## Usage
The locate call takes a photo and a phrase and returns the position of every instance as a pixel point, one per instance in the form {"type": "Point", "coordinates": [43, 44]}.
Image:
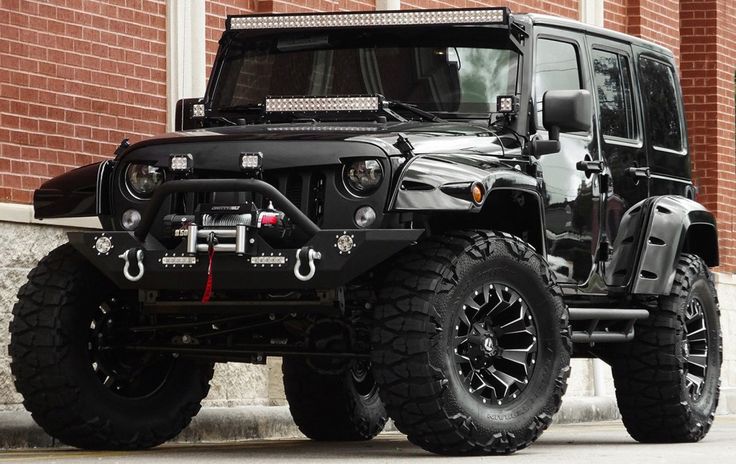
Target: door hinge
{"type": "Point", "coordinates": [590, 167]}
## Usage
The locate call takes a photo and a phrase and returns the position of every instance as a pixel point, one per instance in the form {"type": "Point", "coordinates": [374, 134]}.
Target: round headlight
{"type": "Point", "coordinates": [362, 177]}
{"type": "Point", "coordinates": [142, 179]}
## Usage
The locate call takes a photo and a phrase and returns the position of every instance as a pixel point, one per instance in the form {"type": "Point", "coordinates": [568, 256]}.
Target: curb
{"type": "Point", "coordinates": [219, 424]}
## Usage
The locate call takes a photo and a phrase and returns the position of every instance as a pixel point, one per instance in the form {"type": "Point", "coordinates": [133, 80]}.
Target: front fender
{"type": "Point", "coordinates": [427, 180]}
{"type": "Point", "coordinates": [665, 227]}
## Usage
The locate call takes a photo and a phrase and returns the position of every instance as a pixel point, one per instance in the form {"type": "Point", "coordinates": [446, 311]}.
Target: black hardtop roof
{"type": "Point", "coordinates": [535, 18]}
{"type": "Point", "coordinates": [556, 21]}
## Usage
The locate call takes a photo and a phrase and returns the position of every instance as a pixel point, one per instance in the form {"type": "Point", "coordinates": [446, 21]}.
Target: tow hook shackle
{"type": "Point", "coordinates": [306, 254]}
{"type": "Point", "coordinates": [126, 268]}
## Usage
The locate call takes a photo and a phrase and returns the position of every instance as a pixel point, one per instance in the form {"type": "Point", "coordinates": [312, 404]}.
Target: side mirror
{"type": "Point", "coordinates": [566, 111]}
{"type": "Point", "coordinates": [563, 111]}
{"type": "Point", "coordinates": [184, 118]}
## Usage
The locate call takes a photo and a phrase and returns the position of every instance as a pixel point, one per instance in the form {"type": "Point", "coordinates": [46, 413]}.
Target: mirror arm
{"type": "Point", "coordinates": [554, 133]}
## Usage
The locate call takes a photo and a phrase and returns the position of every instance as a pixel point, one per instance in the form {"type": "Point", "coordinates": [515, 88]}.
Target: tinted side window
{"type": "Point", "coordinates": [660, 103]}
{"type": "Point", "coordinates": [613, 86]}
{"type": "Point", "coordinates": [557, 68]}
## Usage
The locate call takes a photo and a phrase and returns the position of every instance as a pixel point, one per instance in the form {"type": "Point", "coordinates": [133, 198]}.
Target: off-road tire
{"type": "Point", "coordinates": [649, 372]}
{"type": "Point", "coordinates": [419, 386]}
{"type": "Point", "coordinates": [53, 372]}
{"type": "Point", "coordinates": [328, 406]}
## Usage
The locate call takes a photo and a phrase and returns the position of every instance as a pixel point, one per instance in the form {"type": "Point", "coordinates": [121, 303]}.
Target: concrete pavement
{"type": "Point", "coordinates": [598, 442]}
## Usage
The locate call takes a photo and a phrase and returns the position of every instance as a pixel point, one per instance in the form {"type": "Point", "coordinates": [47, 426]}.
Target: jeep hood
{"type": "Point", "coordinates": [426, 138]}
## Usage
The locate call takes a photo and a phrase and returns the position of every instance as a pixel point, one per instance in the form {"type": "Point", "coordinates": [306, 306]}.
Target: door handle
{"type": "Point", "coordinates": [638, 173]}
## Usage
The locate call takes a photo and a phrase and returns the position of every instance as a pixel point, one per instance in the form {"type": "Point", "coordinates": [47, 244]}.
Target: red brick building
{"type": "Point", "coordinates": [77, 76]}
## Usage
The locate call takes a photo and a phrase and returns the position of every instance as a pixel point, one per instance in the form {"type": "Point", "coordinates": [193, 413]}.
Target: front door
{"type": "Point", "coordinates": [571, 196]}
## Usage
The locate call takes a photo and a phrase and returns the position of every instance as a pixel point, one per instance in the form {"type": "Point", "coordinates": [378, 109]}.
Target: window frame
{"type": "Point", "coordinates": [684, 148]}
{"type": "Point", "coordinates": [578, 48]}
{"type": "Point", "coordinates": [638, 140]}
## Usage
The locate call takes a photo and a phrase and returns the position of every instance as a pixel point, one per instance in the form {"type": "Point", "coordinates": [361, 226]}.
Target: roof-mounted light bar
{"type": "Point", "coordinates": [362, 19]}
{"type": "Point", "coordinates": [321, 104]}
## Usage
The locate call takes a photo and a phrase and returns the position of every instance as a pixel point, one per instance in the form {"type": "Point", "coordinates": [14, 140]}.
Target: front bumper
{"type": "Point", "coordinates": [259, 267]}
{"type": "Point", "coordinates": [233, 272]}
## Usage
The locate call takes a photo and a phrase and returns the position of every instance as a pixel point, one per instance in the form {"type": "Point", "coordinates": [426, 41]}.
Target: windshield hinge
{"type": "Point", "coordinates": [124, 144]}
{"type": "Point", "coordinates": [404, 146]}
{"type": "Point", "coordinates": [518, 30]}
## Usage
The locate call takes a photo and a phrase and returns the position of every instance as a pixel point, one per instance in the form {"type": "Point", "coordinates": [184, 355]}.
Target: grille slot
{"type": "Point", "coordinates": [305, 189]}
{"type": "Point", "coordinates": [316, 198]}
{"type": "Point", "coordinates": [293, 190]}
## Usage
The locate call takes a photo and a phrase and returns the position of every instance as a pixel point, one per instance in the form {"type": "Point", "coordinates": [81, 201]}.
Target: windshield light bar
{"type": "Point", "coordinates": [388, 18]}
{"type": "Point", "coordinates": [321, 104]}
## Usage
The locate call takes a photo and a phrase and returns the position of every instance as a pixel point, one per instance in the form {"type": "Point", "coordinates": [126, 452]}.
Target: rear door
{"type": "Point", "coordinates": [618, 111]}
{"type": "Point", "coordinates": [664, 124]}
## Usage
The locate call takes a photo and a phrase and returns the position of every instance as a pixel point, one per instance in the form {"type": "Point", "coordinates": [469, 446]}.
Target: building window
{"type": "Point", "coordinates": [660, 104]}
{"type": "Point", "coordinates": [613, 87]}
{"type": "Point", "coordinates": [557, 67]}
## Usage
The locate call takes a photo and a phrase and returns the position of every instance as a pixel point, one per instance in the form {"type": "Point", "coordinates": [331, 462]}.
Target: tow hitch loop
{"type": "Point", "coordinates": [310, 255]}
{"type": "Point", "coordinates": [126, 267]}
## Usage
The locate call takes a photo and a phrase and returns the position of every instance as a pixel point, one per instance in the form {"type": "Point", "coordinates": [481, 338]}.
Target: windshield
{"type": "Point", "coordinates": [440, 73]}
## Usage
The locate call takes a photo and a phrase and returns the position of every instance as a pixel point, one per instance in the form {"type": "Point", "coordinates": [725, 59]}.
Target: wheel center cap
{"type": "Point", "coordinates": [489, 345]}
{"type": "Point", "coordinates": [686, 348]}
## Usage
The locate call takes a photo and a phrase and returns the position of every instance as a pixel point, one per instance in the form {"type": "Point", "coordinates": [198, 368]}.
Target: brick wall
{"type": "Point", "coordinates": [75, 78]}
{"type": "Point", "coordinates": [614, 15]}
{"type": "Point", "coordinates": [216, 12]}
{"type": "Point", "coordinates": [656, 20]}
{"type": "Point", "coordinates": [708, 61]}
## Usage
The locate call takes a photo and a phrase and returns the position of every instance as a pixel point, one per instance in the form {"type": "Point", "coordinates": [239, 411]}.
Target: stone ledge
{"type": "Point", "coordinates": [23, 214]}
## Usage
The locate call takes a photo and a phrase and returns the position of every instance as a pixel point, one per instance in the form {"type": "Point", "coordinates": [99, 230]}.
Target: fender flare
{"type": "Point", "coordinates": [653, 234]}
{"type": "Point", "coordinates": [81, 192]}
{"type": "Point", "coordinates": [427, 181]}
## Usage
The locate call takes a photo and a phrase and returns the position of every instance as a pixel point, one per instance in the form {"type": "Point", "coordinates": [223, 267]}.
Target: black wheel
{"type": "Point", "coordinates": [78, 389]}
{"type": "Point", "coordinates": [667, 379]}
{"type": "Point", "coordinates": [472, 344]}
{"type": "Point", "coordinates": [329, 406]}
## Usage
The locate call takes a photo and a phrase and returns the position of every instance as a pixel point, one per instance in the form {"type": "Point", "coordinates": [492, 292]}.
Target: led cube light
{"type": "Point", "coordinates": [507, 104]}
{"type": "Point", "coordinates": [198, 110]}
{"type": "Point", "coordinates": [181, 162]}
{"type": "Point", "coordinates": [251, 161]}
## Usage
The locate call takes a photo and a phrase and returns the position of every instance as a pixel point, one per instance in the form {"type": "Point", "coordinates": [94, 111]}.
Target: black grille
{"type": "Point", "coordinates": [305, 189]}
{"type": "Point", "coordinates": [293, 190]}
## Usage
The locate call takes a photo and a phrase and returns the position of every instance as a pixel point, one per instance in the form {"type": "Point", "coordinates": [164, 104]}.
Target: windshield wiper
{"type": "Point", "coordinates": [412, 109]}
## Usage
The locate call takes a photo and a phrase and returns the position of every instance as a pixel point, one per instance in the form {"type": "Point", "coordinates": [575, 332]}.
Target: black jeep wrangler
{"type": "Point", "coordinates": [425, 213]}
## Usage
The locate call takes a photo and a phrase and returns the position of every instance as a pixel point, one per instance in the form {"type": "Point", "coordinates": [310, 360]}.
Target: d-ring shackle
{"type": "Point", "coordinates": [312, 256]}
{"type": "Point", "coordinates": [126, 267]}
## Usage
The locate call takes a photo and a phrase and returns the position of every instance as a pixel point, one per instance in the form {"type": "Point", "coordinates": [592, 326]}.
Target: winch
{"type": "Point", "coordinates": [225, 227]}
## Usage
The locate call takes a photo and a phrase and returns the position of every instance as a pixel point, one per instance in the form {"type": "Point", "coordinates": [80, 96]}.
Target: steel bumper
{"type": "Point", "coordinates": [244, 272]}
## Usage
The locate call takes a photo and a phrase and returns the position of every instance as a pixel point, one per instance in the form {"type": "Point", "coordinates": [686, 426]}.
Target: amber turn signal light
{"type": "Point", "coordinates": [477, 192]}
